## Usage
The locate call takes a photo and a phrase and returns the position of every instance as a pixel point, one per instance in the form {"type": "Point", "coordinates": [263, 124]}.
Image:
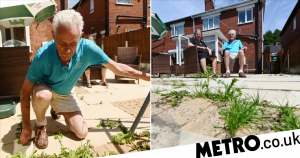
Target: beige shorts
{"type": "Point", "coordinates": [233, 55]}
{"type": "Point", "coordinates": [63, 103]}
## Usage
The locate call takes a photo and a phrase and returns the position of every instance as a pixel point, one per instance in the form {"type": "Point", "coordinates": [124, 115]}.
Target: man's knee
{"type": "Point", "coordinates": [241, 53]}
{"type": "Point", "coordinates": [82, 133]}
{"type": "Point", "coordinates": [226, 53]}
{"type": "Point", "coordinates": [41, 94]}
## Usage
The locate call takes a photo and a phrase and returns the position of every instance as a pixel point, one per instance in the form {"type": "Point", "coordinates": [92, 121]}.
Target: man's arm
{"type": "Point", "coordinates": [25, 109]}
{"type": "Point", "coordinates": [124, 70]}
{"type": "Point", "coordinates": [222, 50]}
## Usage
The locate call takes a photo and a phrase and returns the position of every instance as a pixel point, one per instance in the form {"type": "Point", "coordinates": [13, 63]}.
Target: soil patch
{"type": "Point", "coordinates": [199, 115]}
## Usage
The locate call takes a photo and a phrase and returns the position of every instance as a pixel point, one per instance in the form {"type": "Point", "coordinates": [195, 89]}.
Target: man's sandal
{"type": "Point", "coordinates": [54, 115]}
{"type": "Point", "coordinates": [41, 137]}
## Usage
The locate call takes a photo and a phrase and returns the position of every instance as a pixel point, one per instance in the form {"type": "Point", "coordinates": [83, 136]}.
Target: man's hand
{"type": "Point", "coordinates": [25, 109]}
{"type": "Point", "coordinates": [25, 135]}
{"type": "Point", "coordinates": [127, 71]}
{"type": "Point", "coordinates": [244, 48]}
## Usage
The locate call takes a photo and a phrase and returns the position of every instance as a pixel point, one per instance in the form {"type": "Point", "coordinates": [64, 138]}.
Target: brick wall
{"type": "Point", "coordinates": [95, 19]}
{"type": "Point", "coordinates": [43, 32]}
{"type": "Point", "coordinates": [290, 36]}
{"type": "Point", "coordinates": [127, 23]}
{"type": "Point", "coordinates": [228, 21]}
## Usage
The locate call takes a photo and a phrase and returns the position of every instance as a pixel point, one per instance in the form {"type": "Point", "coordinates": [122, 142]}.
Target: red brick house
{"type": "Point", "coordinates": [290, 40]}
{"type": "Point", "coordinates": [109, 17]}
{"type": "Point", "coordinates": [244, 17]}
{"type": "Point", "coordinates": [34, 36]}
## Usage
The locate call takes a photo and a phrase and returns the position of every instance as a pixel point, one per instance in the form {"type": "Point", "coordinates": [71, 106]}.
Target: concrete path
{"type": "Point", "coordinates": [96, 104]}
{"type": "Point", "coordinates": [277, 89]}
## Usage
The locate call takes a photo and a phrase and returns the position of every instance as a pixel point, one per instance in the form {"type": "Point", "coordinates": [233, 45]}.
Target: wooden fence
{"type": "Point", "coordinates": [291, 58]}
{"type": "Point", "coordinates": [139, 38]}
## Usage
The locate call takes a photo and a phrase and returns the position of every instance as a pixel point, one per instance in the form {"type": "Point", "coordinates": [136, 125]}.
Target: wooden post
{"type": "Point", "coordinates": [126, 43]}
{"type": "Point", "coordinates": [102, 45]}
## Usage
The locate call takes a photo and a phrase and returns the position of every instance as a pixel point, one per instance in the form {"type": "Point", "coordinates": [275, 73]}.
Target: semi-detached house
{"type": "Point", "coordinates": [245, 17]}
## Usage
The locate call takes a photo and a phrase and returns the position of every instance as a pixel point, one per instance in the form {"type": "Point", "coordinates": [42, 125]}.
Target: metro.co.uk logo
{"type": "Point", "coordinates": [251, 143]}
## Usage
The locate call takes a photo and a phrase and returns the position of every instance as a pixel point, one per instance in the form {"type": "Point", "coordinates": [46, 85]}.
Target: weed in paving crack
{"type": "Point", "coordinates": [140, 146]}
{"type": "Point", "coordinates": [156, 90]}
{"type": "Point", "coordinates": [241, 113]}
{"type": "Point", "coordinates": [110, 124]}
{"type": "Point", "coordinates": [178, 85]}
{"type": "Point", "coordinates": [175, 97]}
{"type": "Point", "coordinates": [287, 120]}
{"type": "Point", "coordinates": [81, 97]}
{"type": "Point", "coordinates": [230, 91]}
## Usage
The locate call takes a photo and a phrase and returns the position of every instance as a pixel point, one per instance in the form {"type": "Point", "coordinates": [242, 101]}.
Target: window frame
{"type": "Point", "coordinates": [92, 6]}
{"type": "Point", "coordinates": [245, 11]}
{"type": "Point", "coordinates": [208, 27]}
{"type": "Point", "coordinates": [121, 3]}
{"type": "Point", "coordinates": [173, 28]}
{"type": "Point", "coordinates": [216, 41]}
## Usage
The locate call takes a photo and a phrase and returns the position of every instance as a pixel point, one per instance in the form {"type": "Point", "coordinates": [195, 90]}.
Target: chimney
{"type": "Point", "coordinates": [277, 42]}
{"type": "Point", "coordinates": [209, 5]}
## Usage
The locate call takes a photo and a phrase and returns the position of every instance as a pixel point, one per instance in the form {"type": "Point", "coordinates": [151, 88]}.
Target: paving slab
{"type": "Point", "coordinates": [92, 111]}
{"type": "Point", "coordinates": [277, 89]}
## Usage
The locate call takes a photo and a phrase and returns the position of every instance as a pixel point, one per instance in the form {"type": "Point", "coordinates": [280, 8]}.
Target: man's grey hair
{"type": "Point", "coordinates": [67, 18]}
{"type": "Point", "coordinates": [232, 31]}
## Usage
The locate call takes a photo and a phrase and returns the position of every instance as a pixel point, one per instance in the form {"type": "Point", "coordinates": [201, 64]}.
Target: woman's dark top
{"type": "Point", "coordinates": [201, 53]}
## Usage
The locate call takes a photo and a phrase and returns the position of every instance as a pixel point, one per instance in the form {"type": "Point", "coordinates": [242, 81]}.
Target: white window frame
{"type": "Point", "coordinates": [216, 40]}
{"type": "Point", "coordinates": [208, 28]}
{"type": "Point", "coordinates": [92, 6]}
{"type": "Point", "coordinates": [26, 35]}
{"type": "Point", "coordinates": [294, 23]}
{"type": "Point", "coordinates": [124, 3]}
{"type": "Point", "coordinates": [173, 28]}
{"type": "Point", "coordinates": [131, 30]}
{"type": "Point", "coordinates": [244, 9]}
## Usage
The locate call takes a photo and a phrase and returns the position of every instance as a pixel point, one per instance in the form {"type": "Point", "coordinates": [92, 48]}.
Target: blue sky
{"type": "Point", "coordinates": [169, 10]}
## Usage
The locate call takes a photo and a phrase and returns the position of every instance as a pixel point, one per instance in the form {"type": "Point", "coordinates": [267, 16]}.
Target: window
{"type": "Point", "coordinates": [91, 6]}
{"type": "Point", "coordinates": [210, 42]}
{"type": "Point", "coordinates": [294, 25]}
{"type": "Point", "coordinates": [124, 1]}
{"type": "Point", "coordinates": [211, 23]}
{"type": "Point", "coordinates": [17, 34]}
{"type": "Point", "coordinates": [246, 16]}
{"type": "Point", "coordinates": [177, 29]}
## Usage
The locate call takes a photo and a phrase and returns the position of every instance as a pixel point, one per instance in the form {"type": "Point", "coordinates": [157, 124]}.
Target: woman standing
{"type": "Point", "coordinates": [203, 51]}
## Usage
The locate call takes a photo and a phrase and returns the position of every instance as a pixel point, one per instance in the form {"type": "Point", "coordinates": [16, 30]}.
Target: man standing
{"type": "Point", "coordinates": [234, 49]}
{"type": "Point", "coordinates": [53, 73]}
